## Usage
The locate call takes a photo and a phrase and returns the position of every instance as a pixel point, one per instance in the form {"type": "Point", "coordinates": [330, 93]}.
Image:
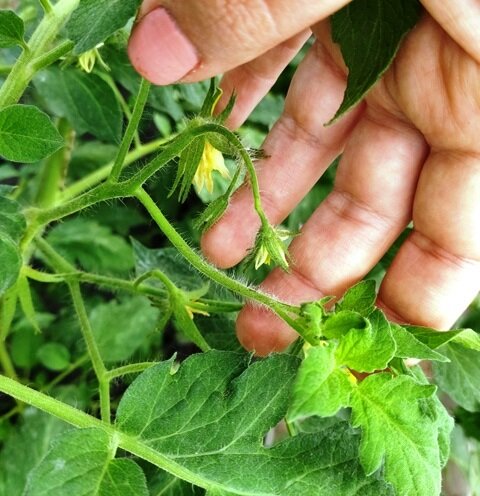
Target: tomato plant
{"type": "Point", "coordinates": [121, 372]}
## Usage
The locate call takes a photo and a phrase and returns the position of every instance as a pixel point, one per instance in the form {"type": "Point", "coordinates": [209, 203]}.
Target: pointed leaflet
{"type": "Point", "coordinates": [211, 415]}
{"type": "Point", "coordinates": [408, 346]}
{"type": "Point", "coordinates": [460, 378]}
{"type": "Point", "coordinates": [433, 338]}
{"type": "Point", "coordinates": [27, 134]}
{"type": "Point", "coordinates": [397, 427]}
{"type": "Point", "coordinates": [321, 387]}
{"type": "Point", "coordinates": [359, 298]}
{"type": "Point", "coordinates": [93, 21]}
{"type": "Point", "coordinates": [81, 462]}
{"type": "Point", "coordinates": [369, 349]}
{"type": "Point", "coordinates": [12, 29]}
{"type": "Point", "coordinates": [369, 33]}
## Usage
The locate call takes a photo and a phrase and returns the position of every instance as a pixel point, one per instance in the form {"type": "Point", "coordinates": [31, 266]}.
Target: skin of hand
{"type": "Point", "coordinates": [410, 152]}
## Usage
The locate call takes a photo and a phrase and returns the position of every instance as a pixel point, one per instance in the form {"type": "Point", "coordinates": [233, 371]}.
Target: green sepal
{"type": "Point", "coordinates": [212, 213]}
{"type": "Point", "coordinates": [187, 167]}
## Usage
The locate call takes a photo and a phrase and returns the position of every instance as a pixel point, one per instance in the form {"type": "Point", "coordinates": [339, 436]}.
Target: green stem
{"type": "Point", "coordinates": [95, 178]}
{"type": "Point", "coordinates": [47, 6]}
{"type": "Point", "coordinates": [130, 131]}
{"type": "Point", "coordinates": [82, 420]}
{"type": "Point", "coordinates": [118, 95]}
{"type": "Point", "coordinates": [6, 362]}
{"type": "Point", "coordinates": [132, 368]}
{"type": "Point", "coordinates": [46, 59]}
{"type": "Point", "coordinates": [61, 265]}
{"type": "Point", "coordinates": [23, 69]}
{"type": "Point", "coordinates": [60, 377]}
{"type": "Point", "coordinates": [204, 267]}
{"type": "Point", "coordinates": [54, 168]}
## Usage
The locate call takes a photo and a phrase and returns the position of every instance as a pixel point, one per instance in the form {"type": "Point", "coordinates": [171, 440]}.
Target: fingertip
{"type": "Point", "coordinates": [262, 332]}
{"type": "Point", "coordinates": [159, 50]}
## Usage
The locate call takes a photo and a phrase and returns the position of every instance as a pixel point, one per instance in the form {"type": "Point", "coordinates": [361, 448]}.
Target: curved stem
{"type": "Point", "coordinates": [132, 368]}
{"type": "Point", "coordinates": [204, 267]}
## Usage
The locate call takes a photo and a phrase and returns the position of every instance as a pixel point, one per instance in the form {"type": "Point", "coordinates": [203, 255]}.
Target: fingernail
{"type": "Point", "coordinates": [159, 51]}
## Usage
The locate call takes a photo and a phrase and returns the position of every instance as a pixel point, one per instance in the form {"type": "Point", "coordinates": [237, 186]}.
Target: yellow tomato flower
{"type": "Point", "coordinates": [87, 60]}
{"type": "Point", "coordinates": [212, 160]}
{"type": "Point", "coordinates": [191, 311]}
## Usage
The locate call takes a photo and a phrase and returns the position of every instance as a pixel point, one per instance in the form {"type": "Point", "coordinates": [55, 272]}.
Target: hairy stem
{"type": "Point", "coordinates": [96, 177]}
{"type": "Point", "coordinates": [130, 131]}
{"type": "Point", "coordinates": [204, 267]}
{"type": "Point", "coordinates": [61, 265]}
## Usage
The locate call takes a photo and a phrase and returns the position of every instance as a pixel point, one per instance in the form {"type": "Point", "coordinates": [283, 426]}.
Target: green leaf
{"type": "Point", "coordinates": [81, 462]}
{"type": "Point", "coordinates": [54, 356]}
{"type": "Point", "coordinates": [27, 134]}
{"type": "Point", "coordinates": [433, 338]}
{"type": "Point", "coordinates": [369, 33]}
{"type": "Point", "coordinates": [25, 448]}
{"type": "Point", "coordinates": [408, 346]}
{"type": "Point", "coordinates": [398, 429]}
{"type": "Point", "coordinates": [359, 298]}
{"type": "Point", "coordinates": [369, 349]}
{"type": "Point", "coordinates": [321, 388]}
{"type": "Point", "coordinates": [93, 22]}
{"type": "Point", "coordinates": [10, 263]}
{"type": "Point", "coordinates": [86, 100]}
{"type": "Point", "coordinates": [120, 328]}
{"type": "Point", "coordinates": [12, 29]}
{"type": "Point", "coordinates": [460, 378]}
{"type": "Point", "coordinates": [12, 220]}
{"type": "Point", "coordinates": [210, 417]}
{"type": "Point", "coordinates": [92, 245]}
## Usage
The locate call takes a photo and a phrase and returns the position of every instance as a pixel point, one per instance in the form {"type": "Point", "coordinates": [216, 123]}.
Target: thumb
{"type": "Point", "coordinates": [192, 40]}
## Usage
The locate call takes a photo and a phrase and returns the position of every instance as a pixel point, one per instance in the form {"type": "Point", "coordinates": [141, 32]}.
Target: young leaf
{"type": "Point", "coordinates": [12, 29]}
{"type": "Point", "coordinates": [321, 388]}
{"type": "Point", "coordinates": [359, 298]}
{"type": "Point", "coordinates": [223, 406]}
{"type": "Point", "coordinates": [27, 134]}
{"type": "Point", "coordinates": [93, 21]}
{"type": "Point", "coordinates": [369, 349]}
{"type": "Point", "coordinates": [433, 338]}
{"type": "Point", "coordinates": [340, 323]}
{"type": "Point", "coordinates": [81, 462]}
{"type": "Point", "coordinates": [86, 100]}
{"type": "Point", "coordinates": [120, 328]}
{"type": "Point", "coordinates": [54, 356]}
{"type": "Point", "coordinates": [408, 346]}
{"type": "Point", "coordinates": [460, 378]}
{"type": "Point", "coordinates": [369, 33]}
{"type": "Point", "coordinates": [397, 428]}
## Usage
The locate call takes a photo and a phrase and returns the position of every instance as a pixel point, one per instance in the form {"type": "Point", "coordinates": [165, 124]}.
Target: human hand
{"type": "Point", "coordinates": [410, 152]}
